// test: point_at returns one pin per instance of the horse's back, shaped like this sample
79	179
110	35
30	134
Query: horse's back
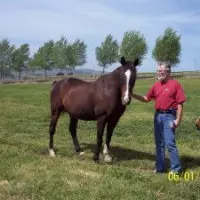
62	87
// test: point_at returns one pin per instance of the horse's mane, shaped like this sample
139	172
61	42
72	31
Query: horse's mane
54	83
110	74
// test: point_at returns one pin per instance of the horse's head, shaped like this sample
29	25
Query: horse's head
127	79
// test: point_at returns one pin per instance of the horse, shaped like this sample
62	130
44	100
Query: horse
103	100
197	123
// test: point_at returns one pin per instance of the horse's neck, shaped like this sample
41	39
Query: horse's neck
116	74
114	78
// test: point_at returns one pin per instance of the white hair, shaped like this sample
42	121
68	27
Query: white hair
167	65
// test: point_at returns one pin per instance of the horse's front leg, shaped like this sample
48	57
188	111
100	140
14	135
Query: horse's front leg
110	128
100	129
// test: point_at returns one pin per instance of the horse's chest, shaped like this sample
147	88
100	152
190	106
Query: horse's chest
108	108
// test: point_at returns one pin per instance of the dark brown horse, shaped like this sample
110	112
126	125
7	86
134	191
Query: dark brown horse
103	100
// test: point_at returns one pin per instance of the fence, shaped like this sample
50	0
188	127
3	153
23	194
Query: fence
32	79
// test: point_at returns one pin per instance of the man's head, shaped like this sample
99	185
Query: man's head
163	71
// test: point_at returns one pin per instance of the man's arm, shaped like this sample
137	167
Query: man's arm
178	115
140	98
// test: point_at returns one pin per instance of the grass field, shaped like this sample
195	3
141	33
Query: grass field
27	172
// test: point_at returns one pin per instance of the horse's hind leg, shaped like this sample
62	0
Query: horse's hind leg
73	132
54	118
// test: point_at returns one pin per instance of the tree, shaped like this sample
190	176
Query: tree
69	54
168	47
107	53
43	58
6	53
133	46
80	49
31	65
60	53
76	54
21	58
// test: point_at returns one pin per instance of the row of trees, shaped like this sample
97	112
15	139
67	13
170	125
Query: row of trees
64	55
51	54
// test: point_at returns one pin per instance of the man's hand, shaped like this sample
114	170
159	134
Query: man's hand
176	123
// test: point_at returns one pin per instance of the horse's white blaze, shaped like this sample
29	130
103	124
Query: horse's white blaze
105	149
81	153
128	76
52	153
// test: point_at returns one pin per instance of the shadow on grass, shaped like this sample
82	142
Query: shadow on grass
121	154
189	162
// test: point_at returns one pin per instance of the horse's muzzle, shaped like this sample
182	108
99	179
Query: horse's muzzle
126	100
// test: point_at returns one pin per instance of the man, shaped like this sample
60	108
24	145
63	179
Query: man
169	98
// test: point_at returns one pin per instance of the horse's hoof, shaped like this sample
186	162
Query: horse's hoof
52	153
108	158
81	153
96	159
78	149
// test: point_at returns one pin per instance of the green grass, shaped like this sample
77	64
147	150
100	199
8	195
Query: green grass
27	172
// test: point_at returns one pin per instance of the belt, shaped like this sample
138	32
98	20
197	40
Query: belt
171	111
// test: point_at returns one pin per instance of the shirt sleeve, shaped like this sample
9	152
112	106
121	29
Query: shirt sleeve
180	94
151	93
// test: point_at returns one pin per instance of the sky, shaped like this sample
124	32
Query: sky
37	21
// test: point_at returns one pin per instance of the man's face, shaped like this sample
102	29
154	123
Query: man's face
162	73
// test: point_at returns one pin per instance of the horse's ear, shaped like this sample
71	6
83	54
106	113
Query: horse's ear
137	62
123	61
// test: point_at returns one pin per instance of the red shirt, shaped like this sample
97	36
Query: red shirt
166	95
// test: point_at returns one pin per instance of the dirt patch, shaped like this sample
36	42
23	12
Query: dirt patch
4	182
